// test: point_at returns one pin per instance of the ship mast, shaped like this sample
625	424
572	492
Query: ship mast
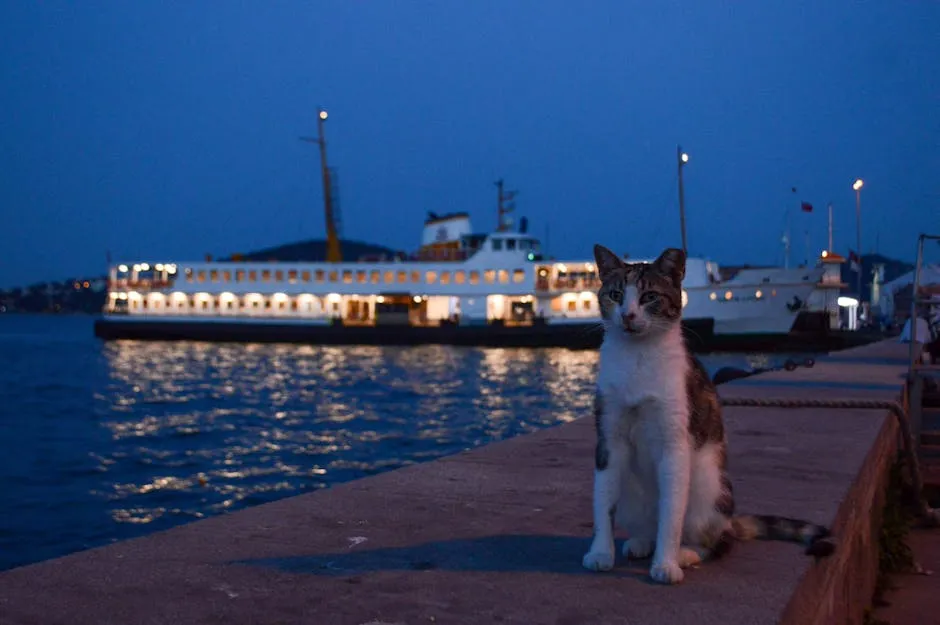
502	224
333	253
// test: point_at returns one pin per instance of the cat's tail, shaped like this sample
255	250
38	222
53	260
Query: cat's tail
817	539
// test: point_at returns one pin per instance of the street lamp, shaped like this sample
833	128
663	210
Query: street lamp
682	158
857	186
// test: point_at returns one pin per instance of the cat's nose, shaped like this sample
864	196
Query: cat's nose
628	319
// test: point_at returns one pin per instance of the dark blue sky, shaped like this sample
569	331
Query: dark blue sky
164	131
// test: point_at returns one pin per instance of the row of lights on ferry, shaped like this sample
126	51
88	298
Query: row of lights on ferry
169	267
728	295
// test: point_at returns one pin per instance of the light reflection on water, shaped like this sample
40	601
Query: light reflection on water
201	428
107	441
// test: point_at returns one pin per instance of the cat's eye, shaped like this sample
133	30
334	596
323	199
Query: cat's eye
648	298
615	295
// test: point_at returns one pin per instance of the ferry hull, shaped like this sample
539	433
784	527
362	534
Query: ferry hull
699	334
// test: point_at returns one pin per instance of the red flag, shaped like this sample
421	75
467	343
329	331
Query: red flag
807	207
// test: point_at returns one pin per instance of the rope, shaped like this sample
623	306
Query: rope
930	516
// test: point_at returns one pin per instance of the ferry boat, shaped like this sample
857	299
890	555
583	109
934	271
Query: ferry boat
460	287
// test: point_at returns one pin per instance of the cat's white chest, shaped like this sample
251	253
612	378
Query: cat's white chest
638	375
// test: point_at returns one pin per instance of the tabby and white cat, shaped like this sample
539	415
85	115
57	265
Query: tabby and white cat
661	461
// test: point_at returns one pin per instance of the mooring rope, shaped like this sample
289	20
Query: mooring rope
930	516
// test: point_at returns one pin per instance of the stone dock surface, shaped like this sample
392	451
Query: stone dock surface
496	534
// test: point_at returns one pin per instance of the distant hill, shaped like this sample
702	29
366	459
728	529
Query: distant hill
314	251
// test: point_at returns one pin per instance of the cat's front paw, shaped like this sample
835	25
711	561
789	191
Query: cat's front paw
637	548
666	572
598	561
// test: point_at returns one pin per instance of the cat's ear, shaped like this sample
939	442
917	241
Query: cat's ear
607	261
672	263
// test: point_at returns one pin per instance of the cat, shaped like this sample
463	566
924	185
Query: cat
661	469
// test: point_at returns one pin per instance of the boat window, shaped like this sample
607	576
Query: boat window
214	275
240	275
510	244
305	276
252	276
430	277
445	277
332	275
389	277
292	276
474	277
226	276
320	275
518	275
361	277
503	276
459	277
347	277
265	275
489	276
279	276
201	276
416	276
497	244
375	276
402	276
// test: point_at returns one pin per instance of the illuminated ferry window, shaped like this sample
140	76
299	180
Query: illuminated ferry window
445	277
347	277
518	275
279	275
374	276
333	275
416	276
305	276
226	276
292	276
360	277
503	276
189	274
265	275
214	275
240	275
252	276
430	277
200	276
572	305
320	275
474	277
489	276
389	277
402	276
459	277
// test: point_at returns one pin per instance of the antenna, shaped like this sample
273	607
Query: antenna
502	224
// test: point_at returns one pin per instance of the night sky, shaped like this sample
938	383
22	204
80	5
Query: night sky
165	131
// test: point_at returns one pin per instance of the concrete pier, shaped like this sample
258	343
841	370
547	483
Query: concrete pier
496	535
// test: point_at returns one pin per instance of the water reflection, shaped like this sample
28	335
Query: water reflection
199	428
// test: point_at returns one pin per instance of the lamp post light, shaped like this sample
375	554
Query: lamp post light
681	159
857	186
